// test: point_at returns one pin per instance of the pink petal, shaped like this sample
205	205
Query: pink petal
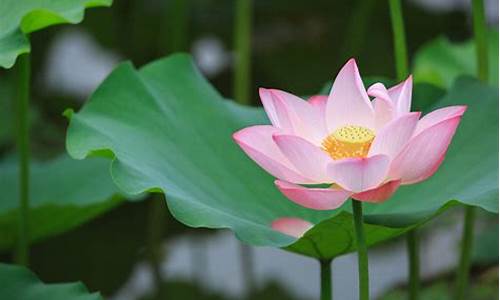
314	198
378	194
391	139
401	95
276	110
292	226
384	113
378	90
293	114
423	155
359	174
382	105
318	103
258	144
318	100
438	116
307	158
348	103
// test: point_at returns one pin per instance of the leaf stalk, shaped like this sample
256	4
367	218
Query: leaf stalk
22	141
364	288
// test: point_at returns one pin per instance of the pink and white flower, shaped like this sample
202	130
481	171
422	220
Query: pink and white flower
361	148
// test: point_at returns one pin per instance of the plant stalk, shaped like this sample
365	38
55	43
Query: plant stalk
465	253
398	30
480	38
241	90
401	60
242	34
357	27
178	23
247	270
364	288
414	264
156	221
326	279
22	126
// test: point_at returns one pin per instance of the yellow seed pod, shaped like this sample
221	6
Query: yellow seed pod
349	141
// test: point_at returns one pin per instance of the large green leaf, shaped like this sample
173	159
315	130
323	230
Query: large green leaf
440	62
21	284
21	17
169	130
63	194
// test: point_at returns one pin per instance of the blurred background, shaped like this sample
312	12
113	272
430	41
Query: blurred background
131	252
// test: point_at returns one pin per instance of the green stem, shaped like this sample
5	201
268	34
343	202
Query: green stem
242	34
246	257
398	29
364	289
357	27
481	42
401	60
22	103
156	230
241	90
326	279
413	266
178	22
480	38
466	250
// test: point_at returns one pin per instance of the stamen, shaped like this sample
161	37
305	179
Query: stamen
349	141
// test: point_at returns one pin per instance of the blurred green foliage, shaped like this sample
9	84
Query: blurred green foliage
440	61
484	286
21	284
19	18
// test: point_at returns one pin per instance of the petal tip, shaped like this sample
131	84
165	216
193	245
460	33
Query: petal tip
294	227
418	114
463	108
263	93
351	61
237	135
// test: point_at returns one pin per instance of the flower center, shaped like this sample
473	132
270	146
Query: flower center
348	141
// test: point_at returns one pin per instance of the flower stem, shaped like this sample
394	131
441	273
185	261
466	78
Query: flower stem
242	34
480	39
22	104
178	23
398	33
401	57
247	270
465	253
241	90
364	289
414	268
156	223
326	279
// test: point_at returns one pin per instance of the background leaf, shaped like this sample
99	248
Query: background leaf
18	18
21	284
440	61
64	194
170	130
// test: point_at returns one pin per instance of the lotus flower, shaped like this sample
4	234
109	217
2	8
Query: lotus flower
351	145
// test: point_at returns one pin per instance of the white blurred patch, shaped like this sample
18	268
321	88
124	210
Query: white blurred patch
76	64
490	7
210	55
